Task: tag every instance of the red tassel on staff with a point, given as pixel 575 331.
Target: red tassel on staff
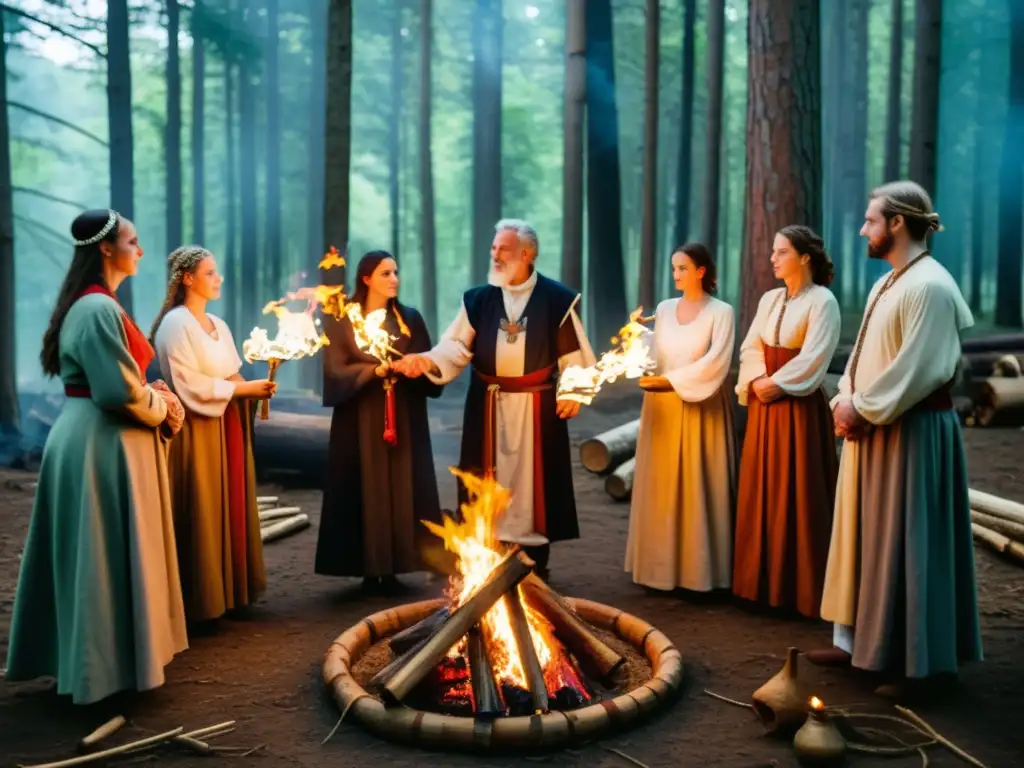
pixel 390 428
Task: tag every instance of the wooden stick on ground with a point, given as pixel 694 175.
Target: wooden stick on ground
pixel 109 728
pixel 998 542
pixel 989 504
pixel 607 450
pixel 281 528
pixel 93 757
pixel 998 524
pixel 940 738
pixel 278 512
pixel 619 484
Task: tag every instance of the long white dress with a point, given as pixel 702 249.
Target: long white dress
pixel 681 515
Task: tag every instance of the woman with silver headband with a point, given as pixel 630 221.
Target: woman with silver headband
pixel 98 604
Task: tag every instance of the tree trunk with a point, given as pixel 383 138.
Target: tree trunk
pixel 1011 184
pixel 198 125
pixel 713 146
pixel 855 179
pixel 337 132
pixel 119 116
pixel 312 378
pixel 8 359
pixel 684 166
pixel 892 117
pixel 572 173
pixel 231 265
pixel 605 272
pixel 395 129
pixel 427 233
pixel 837 130
pixel 649 226
pixel 249 257
pixel 983 171
pixel 172 129
pixel 272 252
pixel 488 27
pixel 783 134
pixel 924 124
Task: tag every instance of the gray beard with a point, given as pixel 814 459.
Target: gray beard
pixel 497 278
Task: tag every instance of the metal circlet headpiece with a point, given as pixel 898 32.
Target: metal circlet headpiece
pixel 111 221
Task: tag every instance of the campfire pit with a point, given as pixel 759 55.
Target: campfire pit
pixel 503 661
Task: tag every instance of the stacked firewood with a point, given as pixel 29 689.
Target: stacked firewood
pixel 611 454
pixel 998 524
pixel 277 522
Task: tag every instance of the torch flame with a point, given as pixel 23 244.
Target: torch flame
pixel 816 704
pixel 474 541
pixel 630 359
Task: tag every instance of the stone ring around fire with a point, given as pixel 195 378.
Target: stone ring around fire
pixel 551 730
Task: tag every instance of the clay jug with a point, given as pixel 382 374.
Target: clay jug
pixel 781 704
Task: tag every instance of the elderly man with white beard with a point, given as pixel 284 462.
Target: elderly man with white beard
pixel 518 333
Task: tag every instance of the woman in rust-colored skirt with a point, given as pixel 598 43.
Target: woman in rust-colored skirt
pixel 789 466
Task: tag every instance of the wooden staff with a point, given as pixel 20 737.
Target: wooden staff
pixel 420 662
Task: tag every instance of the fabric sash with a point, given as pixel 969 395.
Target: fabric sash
pixel 138 345
pixel 531 383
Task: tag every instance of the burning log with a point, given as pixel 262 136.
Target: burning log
pixel 282 528
pixel 527 653
pixel 597 658
pixel 619 484
pixel 996 506
pixel 407 639
pixel 609 449
pixel 418 663
pixel 1002 544
pixel 999 401
pixel 999 525
pixel 487 701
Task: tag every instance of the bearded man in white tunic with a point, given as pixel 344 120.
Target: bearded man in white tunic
pixel 900 583
pixel 518 332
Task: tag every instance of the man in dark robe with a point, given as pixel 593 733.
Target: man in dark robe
pixel 518 333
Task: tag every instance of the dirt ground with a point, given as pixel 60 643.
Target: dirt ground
pixel 263 669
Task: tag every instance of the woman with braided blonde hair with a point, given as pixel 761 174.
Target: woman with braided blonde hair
pixel 213 478
pixel 98 604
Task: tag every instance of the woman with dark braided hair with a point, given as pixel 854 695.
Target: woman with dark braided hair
pixel 380 481
pixel 98 604
pixel 788 467
pixel 213 478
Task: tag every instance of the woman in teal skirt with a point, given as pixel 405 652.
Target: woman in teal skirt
pixel 98 605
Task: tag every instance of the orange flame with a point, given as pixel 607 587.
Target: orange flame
pixel 474 541
pixel 629 359
pixel 816 704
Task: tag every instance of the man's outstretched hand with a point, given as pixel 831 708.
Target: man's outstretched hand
pixel 412 366
pixel 567 409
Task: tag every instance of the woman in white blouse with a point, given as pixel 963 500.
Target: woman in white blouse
pixel 680 518
pixel 213 480
pixel 789 467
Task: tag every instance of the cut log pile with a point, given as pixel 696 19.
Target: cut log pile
pixel 998 524
pixel 421 652
pixel 277 522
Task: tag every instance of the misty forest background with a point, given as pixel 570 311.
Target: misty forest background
pixel 270 129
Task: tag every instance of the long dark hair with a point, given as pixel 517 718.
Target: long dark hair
pixel 367 266
pixel 806 241
pixel 701 257
pixel 86 270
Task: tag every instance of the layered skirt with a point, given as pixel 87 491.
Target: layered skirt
pixel 900 578
pixel 786 497
pixel 216 517
pixel 98 604
pixel 680 518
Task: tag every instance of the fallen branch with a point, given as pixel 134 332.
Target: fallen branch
pixel 626 757
pixel 278 512
pixel 109 728
pixel 727 700
pixel 997 506
pixel 966 757
pixel 998 542
pixel 132 746
pixel 282 528
pixel 1001 525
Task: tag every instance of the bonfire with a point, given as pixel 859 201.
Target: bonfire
pixel 505 644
